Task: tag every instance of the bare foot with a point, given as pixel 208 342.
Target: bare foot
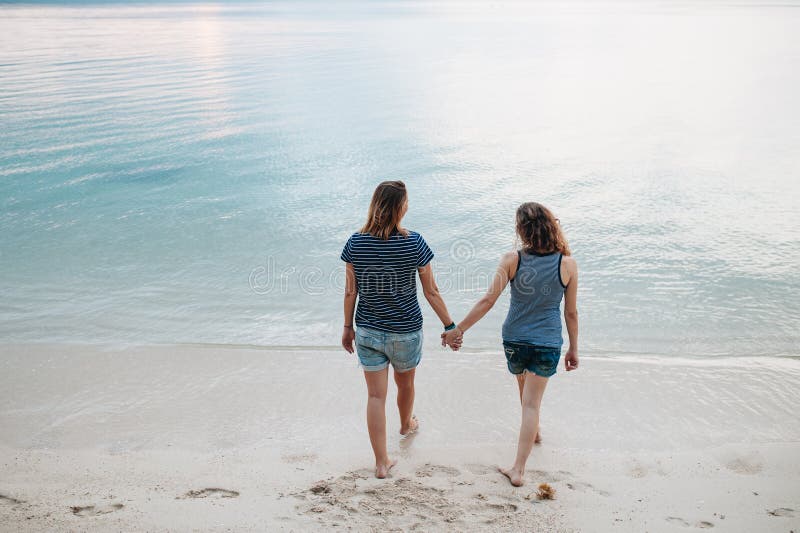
pixel 412 426
pixel 513 475
pixel 382 469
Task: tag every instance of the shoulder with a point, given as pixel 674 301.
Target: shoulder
pixel 569 262
pixel 416 238
pixel 358 236
pixel 509 258
pixel 357 241
pixel 508 262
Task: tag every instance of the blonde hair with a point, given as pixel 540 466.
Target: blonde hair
pixel 539 230
pixel 386 210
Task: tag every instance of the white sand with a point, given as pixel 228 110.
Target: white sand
pixel 109 440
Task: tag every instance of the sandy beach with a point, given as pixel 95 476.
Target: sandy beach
pixel 179 182
pixel 207 438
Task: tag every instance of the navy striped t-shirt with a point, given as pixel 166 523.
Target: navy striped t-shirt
pixel 386 276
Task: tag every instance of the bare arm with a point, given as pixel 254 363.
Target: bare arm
pixel 496 288
pixel 432 294
pixel 350 294
pixel 571 312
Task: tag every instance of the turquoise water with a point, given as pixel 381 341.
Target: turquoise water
pixel 189 172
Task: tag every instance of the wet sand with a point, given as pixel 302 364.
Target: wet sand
pixel 216 438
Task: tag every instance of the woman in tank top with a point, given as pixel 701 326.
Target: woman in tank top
pixel 541 274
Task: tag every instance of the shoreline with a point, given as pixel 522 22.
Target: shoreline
pixel 131 439
pixel 605 355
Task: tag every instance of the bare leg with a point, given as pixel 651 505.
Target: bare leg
pixel 405 400
pixel 521 384
pixel 531 402
pixel 377 383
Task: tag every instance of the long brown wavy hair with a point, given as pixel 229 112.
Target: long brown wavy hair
pixel 386 210
pixel 539 230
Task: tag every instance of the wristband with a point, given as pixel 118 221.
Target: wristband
pixel 451 326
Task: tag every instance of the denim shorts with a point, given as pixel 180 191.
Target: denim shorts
pixel 376 349
pixel 541 360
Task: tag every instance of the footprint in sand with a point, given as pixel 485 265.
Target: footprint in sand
pixel 580 486
pixel 745 465
pixel 429 470
pixel 502 507
pixel 782 511
pixel 95 510
pixel 361 473
pixel 9 500
pixel 320 487
pixel 678 521
pixel 299 458
pixel 480 470
pixel 702 524
pixel 540 475
pixel 637 471
pixel 412 503
pixel 209 493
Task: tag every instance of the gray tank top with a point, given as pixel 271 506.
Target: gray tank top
pixel 536 291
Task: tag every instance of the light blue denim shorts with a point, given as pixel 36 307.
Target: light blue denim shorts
pixel 376 349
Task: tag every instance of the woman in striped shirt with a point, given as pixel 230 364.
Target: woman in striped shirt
pixel 383 260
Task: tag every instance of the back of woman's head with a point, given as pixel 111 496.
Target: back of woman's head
pixel 386 210
pixel 539 230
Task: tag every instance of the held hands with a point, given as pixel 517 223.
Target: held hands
pixel 571 359
pixel 453 339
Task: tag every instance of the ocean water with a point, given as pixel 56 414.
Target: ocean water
pixel 188 172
